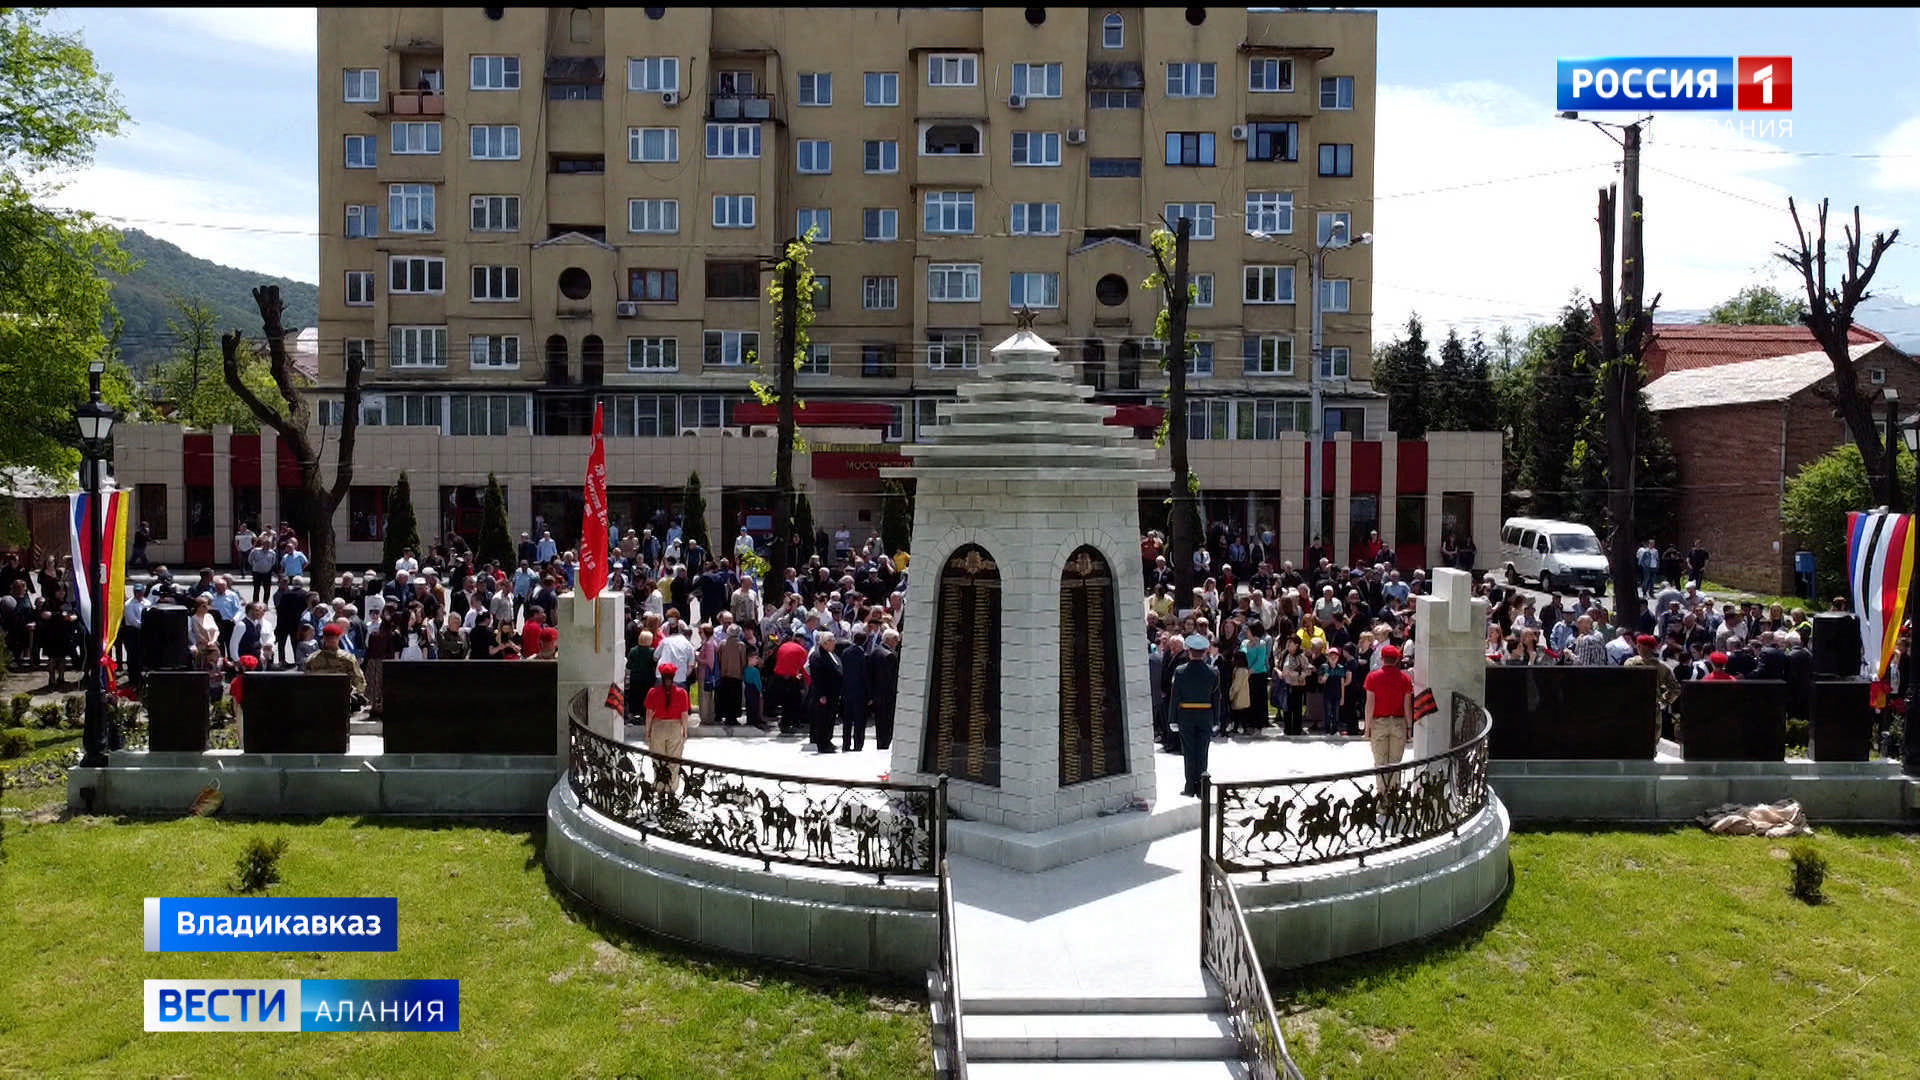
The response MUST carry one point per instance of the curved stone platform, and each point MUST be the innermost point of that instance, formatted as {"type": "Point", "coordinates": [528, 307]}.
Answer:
{"type": "Point", "coordinates": [1319, 913]}
{"type": "Point", "coordinates": [820, 919]}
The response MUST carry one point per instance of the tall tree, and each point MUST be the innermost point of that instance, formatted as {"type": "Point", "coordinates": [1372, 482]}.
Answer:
{"type": "Point", "coordinates": [896, 517]}
{"type": "Point", "coordinates": [1447, 388]}
{"type": "Point", "coordinates": [55, 105]}
{"type": "Point", "coordinates": [791, 292]}
{"type": "Point", "coordinates": [190, 381]}
{"type": "Point", "coordinates": [1170, 278]}
{"type": "Point", "coordinates": [1474, 404]}
{"type": "Point", "coordinates": [1623, 324]}
{"type": "Point", "coordinates": [1758, 305]}
{"type": "Point", "coordinates": [292, 419]}
{"type": "Point", "coordinates": [496, 532]}
{"type": "Point", "coordinates": [1829, 315]}
{"type": "Point", "coordinates": [693, 515]}
{"type": "Point", "coordinates": [403, 530]}
{"type": "Point", "coordinates": [1560, 394]}
{"type": "Point", "coordinates": [1403, 371]}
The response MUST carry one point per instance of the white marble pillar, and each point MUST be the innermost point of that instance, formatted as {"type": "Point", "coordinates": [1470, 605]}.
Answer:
{"type": "Point", "coordinates": [586, 671]}
{"type": "Point", "coordinates": [1449, 654]}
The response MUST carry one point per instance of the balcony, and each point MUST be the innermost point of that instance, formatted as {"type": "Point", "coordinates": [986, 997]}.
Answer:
{"type": "Point", "coordinates": [737, 106]}
{"type": "Point", "coordinates": [416, 103]}
{"type": "Point", "coordinates": [950, 170]}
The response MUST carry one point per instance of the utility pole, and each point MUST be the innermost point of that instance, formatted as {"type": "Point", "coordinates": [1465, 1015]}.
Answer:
{"type": "Point", "coordinates": [775, 587]}
{"type": "Point", "coordinates": [1624, 325]}
{"type": "Point", "coordinates": [1180, 538]}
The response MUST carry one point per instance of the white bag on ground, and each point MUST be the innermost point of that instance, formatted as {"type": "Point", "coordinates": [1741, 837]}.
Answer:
{"type": "Point", "coordinates": [1783, 818]}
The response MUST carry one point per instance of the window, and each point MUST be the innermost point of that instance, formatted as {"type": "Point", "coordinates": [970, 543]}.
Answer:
{"type": "Point", "coordinates": [1336, 159]}
{"type": "Point", "coordinates": [1036, 219]}
{"type": "Point", "coordinates": [646, 416]}
{"type": "Point", "coordinates": [366, 512]}
{"type": "Point", "coordinates": [496, 213]}
{"type": "Point", "coordinates": [820, 220]}
{"type": "Point", "coordinates": [417, 346]}
{"type": "Point", "coordinates": [360, 152]}
{"type": "Point", "coordinates": [879, 223]}
{"type": "Point", "coordinates": [816, 88]}
{"type": "Point", "coordinates": [363, 84]}
{"type": "Point", "coordinates": [410, 208]}
{"type": "Point", "coordinates": [654, 286]}
{"type": "Point", "coordinates": [653, 215]}
{"type": "Point", "coordinates": [951, 139]}
{"type": "Point", "coordinates": [653, 354]}
{"type": "Point", "coordinates": [1268, 285]}
{"type": "Point", "coordinates": [730, 348]}
{"type": "Point", "coordinates": [733, 83]}
{"type": "Point", "coordinates": [1113, 99]}
{"type": "Point", "coordinates": [948, 212]}
{"type": "Point", "coordinates": [1273, 142]}
{"type": "Point", "coordinates": [883, 88]}
{"type": "Point", "coordinates": [494, 73]}
{"type": "Point", "coordinates": [1267, 354]}
{"type": "Point", "coordinates": [879, 293]}
{"type": "Point", "coordinates": [876, 361]}
{"type": "Point", "coordinates": [1190, 80]}
{"type": "Point", "coordinates": [953, 350]}
{"type": "Point", "coordinates": [1036, 148]}
{"type": "Point", "coordinates": [493, 351]}
{"type": "Point", "coordinates": [733, 140]}
{"type": "Point", "coordinates": [485, 414]}
{"type": "Point", "coordinates": [1036, 80]}
{"type": "Point", "coordinates": [1270, 75]}
{"type": "Point", "coordinates": [1113, 32]}
{"type": "Point", "coordinates": [1200, 359]}
{"type": "Point", "coordinates": [817, 360]}
{"type": "Point", "coordinates": [733, 281]}
{"type": "Point", "coordinates": [814, 156]}
{"type": "Point", "coordinates": [416, 137]}
{"type": "Point", "coordinates": [400, 410]}
{"type": "Point", "coordinates": [1267, 418]}
{"type": "Point", "coordinates": [1328, 222]}
{"type": "Point", "coordinates": [1201, 214]}
{"type": "Point", "coordinates": [359, 288]}
{"type": "Point", "coordinates": [496, 283]}
{"type": "Point", "coordinates": [953, 69]}
{"type": "Point", "coordinates": [1190, 148]}
{"type": "Point", "coordinates": [1270, 212]}
{"type": "Point", "coordinates": [653, 74]}
{"type": "Point", "coordinates": [1114, 166]}
{"type": "Point", "coordinates": [495, 142]}
{"type": "Point", "coordinates": [576, 165]}
{"type": "Point", "coordinates": [1337, 363]}
{"type": "Point", "coordinates": [653, 144]}
{"type": "Point", "coordinates": [1202, 290]}
{"type": "Point", "coordinates": [416, 274]}
{"type": "Point", "coordinates": [733, 211]}
{"type": "Point", "coordinates": [150, 504]}
{"type": "Point", "coordinates": [881, 155]}
{"type": "Point", "coordinates": [363, 220]}
{"type": "Point", "coordinates": [1033, 290]}
{"type": "Point", "coordinates": [358, 349]}
{"type": "Point", "coordinates": [953, 283]}
{"type": "Point", "coordinates": [1209, 418]}
{"type": "Point", "coordinates": [1334, 293]}
{"type": "Point", "coordinates": [1336, 92]}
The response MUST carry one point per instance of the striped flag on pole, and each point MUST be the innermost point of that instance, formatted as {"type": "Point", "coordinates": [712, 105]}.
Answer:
{"type": "Point", "coordinates": [88, 566]}
{"type": "Point", "coordinates": [1879, 564]}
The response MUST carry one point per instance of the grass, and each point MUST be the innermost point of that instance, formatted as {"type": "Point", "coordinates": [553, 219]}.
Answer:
{"type": "Point", "coordinates": [1669, 953]}
{"type": "Point", "coordinates": [548, 989]}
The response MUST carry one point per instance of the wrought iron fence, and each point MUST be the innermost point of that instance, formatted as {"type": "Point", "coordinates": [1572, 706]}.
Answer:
{"type": "Point", "coordinates": [865, 826]}
{"type": "Point", "coordinates": [1226, 950]}
{"type": "Point", "coordinates": [1265, 825]}
{"type": "Point", "coordinates": [944, 990]}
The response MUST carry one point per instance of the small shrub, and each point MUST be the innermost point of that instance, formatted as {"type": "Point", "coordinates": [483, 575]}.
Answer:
{"type": "Point", "coordinates": [259, 864]}
{"type": "Point", "coordinates": [222, 713]}
{"type": "Point", "coordinates": [1797, 732]}
{"type": "Point", "coordinates": [1809, 872]}
{"type": "Point", "coordinates": [15, 742]}
{"type": "Point", "coordinates": [74, 710]}
{"type": "Point", "coordinates": [47, 715]}
{"type": "Point", "coordinates": [22, 705]}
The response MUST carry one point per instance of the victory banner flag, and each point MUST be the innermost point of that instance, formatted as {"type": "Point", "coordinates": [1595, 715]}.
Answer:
{"type": "Point", "coordinates": [1879, 567]}
{"type": "Point", "coordinates": [593, 536]}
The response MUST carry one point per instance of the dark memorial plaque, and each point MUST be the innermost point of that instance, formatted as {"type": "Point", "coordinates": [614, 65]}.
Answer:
{"type": "Point", "coordinates": [1573, 713]}
{"type": "Point", "coordinates": [1093, 740]}
{"type": "Point", "coordinates": [962, 737]}
{"type": "Point", "coordinates": [1743, 720]}
{"type": "Point", "coordinates": [469, 706]}
{"type": "Point", "coordinates": [292, 712]}
{"type": "Point", "coordinates": [1842, 725]}
{"type": "Point", "coordinates": [178, 711]}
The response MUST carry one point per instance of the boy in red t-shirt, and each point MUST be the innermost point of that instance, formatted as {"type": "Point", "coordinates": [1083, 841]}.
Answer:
{"type": "Point", "coordinates": [1389, 714]}
{"type": "Point", "coordinates": [666, 708]}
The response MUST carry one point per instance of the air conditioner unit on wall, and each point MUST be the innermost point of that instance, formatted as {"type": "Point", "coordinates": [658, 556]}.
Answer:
{"type": "Point", "coordinates": [670, 98]}
{"type": "Point", "coordinates": [1015, 101]}
{"type": "Point", "coordinates": [1076, 136]}
{"type": "Point", "coordinates": [689, 431]}
{"type": "Point", "coordinates": [1239, 133]}
{"type": "Point", "coordinates": [627, 309]}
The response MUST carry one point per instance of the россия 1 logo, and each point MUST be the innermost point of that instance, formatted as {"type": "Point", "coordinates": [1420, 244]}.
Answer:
{"type": "Point", "coordinates": [1665, 83]}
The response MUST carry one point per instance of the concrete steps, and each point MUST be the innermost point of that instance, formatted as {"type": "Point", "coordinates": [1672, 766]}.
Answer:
{"type": "Point", "coordinates": [1099, 1036]}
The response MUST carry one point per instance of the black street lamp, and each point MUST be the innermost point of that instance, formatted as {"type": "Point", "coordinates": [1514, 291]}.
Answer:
{"type": "Point", "coordinates": [95, 422]}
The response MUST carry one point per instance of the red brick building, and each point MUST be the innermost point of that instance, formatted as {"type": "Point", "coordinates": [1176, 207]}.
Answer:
{"type": "Point", "coordinates": [1741, 405]}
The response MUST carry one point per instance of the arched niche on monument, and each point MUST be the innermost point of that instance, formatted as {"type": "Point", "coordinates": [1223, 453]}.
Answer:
{"type": "Point", "coordinates": [1093, 739]}
{"type": "Point", "coordinates": [962, 736]}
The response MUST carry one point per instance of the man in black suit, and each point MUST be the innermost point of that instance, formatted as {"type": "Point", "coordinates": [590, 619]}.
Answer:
{"type": "Point", "coordinates": [290, 603]}
{"type": "Point", "coordinates": [826, 685]}
{"type": "Point", "coordinates": [883, 676]}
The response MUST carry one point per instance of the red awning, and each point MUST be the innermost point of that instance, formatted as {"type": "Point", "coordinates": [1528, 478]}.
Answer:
{"type": "Point", "coordinates": [1136, 416]}
{"type": "Point", "coordinates": [843, 414]}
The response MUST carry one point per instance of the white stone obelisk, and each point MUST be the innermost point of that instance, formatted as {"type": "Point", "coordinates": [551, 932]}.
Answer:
{"type": "Point", "coordinates": [589, 668]}
{"type": "Point", "coordinates": [1449, 654]}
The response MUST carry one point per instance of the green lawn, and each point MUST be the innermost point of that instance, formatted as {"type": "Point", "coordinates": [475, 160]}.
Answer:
{"type": "Point", "coordinates": [1657, 954]}
{"type": "Point", "coordinates": [547, 989]}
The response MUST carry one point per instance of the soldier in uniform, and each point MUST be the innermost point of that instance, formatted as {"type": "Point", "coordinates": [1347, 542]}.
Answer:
{"type": "Point", "coordinates": [332, 658]}
{"type": "Point", "coordinates": [1647, 655]}
{"type": "Point", "coordinates": [1191, 696]}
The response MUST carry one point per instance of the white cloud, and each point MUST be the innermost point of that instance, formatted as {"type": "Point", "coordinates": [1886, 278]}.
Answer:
{"type": "Point", "coordinates": [1899, 170]}
{"type": "Point", "coordinates": [253, 227]}
{"type": "Point", "coordinates": [1486, 207]}
{"type": "Point", "coordinates": [284, 30]}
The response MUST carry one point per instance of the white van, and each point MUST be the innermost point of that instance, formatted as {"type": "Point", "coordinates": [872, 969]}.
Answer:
{"type": "Point", "coordinates": [1563, 555]}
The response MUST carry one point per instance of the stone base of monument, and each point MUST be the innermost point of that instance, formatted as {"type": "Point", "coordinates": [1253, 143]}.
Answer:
{"type": "Point", "coordinates": [263, 785]}
{"type": "Point", "coordinates": [1034, 852]}
{"type": "Point", "coordinates": [820, 919]}
{"type": "Point", "coordinates": [1319, 913]}
{"type": "Point", "coordinates": [1831, 792]}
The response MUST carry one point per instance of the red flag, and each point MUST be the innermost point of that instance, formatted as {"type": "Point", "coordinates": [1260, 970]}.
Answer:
{"type": "Point", "coordinates": [593, 539]}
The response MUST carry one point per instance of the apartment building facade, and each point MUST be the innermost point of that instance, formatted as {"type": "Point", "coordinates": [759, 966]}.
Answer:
{"type": "Point", "coordinates": [528, 210]}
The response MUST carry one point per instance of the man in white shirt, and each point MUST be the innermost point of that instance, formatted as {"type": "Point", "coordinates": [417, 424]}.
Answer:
{"type": "Point", "coordinates": [743, 544]}
{"type": "Point", "coordinates": [406, 564]}
{"type": "Point", "coordinates": [1327, 606]}
{"type": "Point", "coordinates": [242, 543]}
{"type": "Point", "coordinates": [131, 617]}
{"type": "Point", "coordinates": [676, 648]}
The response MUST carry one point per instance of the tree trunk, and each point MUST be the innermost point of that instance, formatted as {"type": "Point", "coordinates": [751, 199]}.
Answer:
{"type": "Point", "coordinates": [774, 589]}
{"type": "Point", "coordinates": [1180, 538]}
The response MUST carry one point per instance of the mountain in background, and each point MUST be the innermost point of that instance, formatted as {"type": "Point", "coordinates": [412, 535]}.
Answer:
{"type": "Point", "coordinates": [144, 298]}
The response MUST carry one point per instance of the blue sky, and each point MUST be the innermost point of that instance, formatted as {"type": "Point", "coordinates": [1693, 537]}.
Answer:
{"type": "Point", "coordinates": [1484, 200]}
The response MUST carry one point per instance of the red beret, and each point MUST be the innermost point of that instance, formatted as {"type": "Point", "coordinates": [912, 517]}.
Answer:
{"type": "Point", "coordinates": [1646, 639]}
{"type": "Point", "coordinates": [332, 629]}
{"type": "Point", "coordinates": [669, 670]}
{"type": "Point", "coordinates": [249, 661]}
{"type": "Point", "coordinates": [1718, 658]}
{"type": "Point", "coordinates": [1389, 652]}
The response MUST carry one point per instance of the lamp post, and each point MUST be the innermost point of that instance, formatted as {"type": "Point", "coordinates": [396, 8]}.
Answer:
{"type": "Point", "coordinates": [95, 422]}
{"type": "Point", "coordinates": [1910, 745]}
{"type": "Point", "coordinates": [1316, 273]}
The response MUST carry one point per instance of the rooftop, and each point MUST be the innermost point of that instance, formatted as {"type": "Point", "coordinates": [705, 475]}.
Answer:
{"type": "Point", "coordinates": [1687, 346]}
{"type": "Point", "coordinates": [1773, 378]}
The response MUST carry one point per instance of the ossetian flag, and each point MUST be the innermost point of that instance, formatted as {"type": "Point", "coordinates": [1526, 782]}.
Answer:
{"type": "Point", "coordinates": [1879, 563]}
{"type": "Point", "coordinates": [108, 566]}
